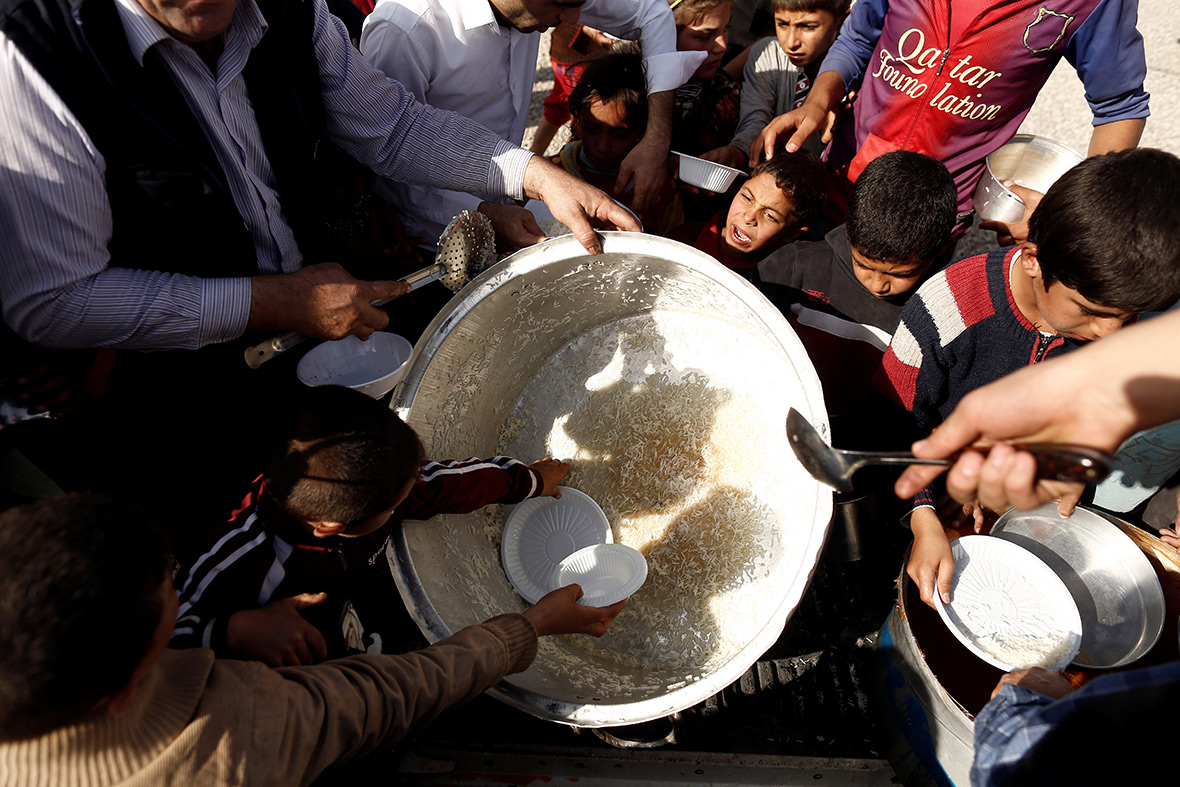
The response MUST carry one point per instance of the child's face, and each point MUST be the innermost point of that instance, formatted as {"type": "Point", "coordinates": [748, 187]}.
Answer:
{"type": "Point", "coordinates": [760, 217]}
{"type": "Point", "coordinates": [1065, 311]}
{"type": "Point", "coordinates": [606, 135]}
{"type": "Point", "coordinates": [888, 279]}
{"type": "Point", "coordinates": [805, 36]}
{"type": "Point", "coordinates": [709, 34]}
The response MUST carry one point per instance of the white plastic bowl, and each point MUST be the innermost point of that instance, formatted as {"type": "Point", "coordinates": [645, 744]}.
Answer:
{"type": "Point", "coordinates": [607, 573]}
{"type": "Point", "coordinates": [543, 531]}
{"type": "Point", "coordinates": [372, 367]}
{"type": "Point", "coordinates": [706, 174]}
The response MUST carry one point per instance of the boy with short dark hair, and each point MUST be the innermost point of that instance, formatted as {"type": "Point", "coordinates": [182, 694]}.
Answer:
{"type": "Point", "coordinates": [1103, 247]}
{"type": "Point", "coordinates": [608, 118]}
{"type": "Point", "coordinates": [90, 693]}
{"type": "Point", "coordinates": [774, 206]}
{"type": "Point", "coordinates": [299, 574]}
{"type": "Point", "coordinates": [845, 294]}
{"type": "Point", "coordinates": [780, 70]}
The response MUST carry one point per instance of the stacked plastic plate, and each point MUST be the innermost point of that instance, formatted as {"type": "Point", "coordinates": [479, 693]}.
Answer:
{"type": "Point", "coordinates": [549, 543]}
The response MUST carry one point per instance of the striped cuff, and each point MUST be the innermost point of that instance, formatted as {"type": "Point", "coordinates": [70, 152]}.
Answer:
{"type": "Point", "coordinates": [225, 309]}
{"type": "Point", "coordinates": [506, 174]}
{"type": "Point", "coordinates": [518, 636]}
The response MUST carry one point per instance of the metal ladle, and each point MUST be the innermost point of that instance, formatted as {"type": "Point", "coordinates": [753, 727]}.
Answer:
{"type": "Point", "coordinates": [465, 249]}
{"type": "Point", "coordinates": [835, 466]}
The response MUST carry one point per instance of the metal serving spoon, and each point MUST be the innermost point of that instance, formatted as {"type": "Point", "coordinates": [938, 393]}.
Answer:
{"type": "Point", "coordinates": [834, 466]}
{"type": "Point", "coordinates": [466, 247]}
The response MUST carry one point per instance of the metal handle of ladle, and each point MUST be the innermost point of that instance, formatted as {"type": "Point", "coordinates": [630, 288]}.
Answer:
{"type": "Point", "coordinates": [264, 351]}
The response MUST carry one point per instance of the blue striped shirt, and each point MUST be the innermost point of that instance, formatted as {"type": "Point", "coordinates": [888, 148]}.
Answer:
{"type": "Point", "coordinates": [57, 284]}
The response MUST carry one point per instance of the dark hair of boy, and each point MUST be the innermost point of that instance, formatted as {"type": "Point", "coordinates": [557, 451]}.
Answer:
{"type": "Point", "coordinates": [802, 177]}
{"type": "Point", "coordinates": [616, 76]}
{"type": "Point", "coordinates": [902, 208]}
{"type": "Point", "coordinates": [80, 582]}
{"type": "Point", "coordinates": [1110, 229]}
{"type": "Point", "coordinates": [837, 8]}
{"type": "Point", "coordinates": [343, 457]}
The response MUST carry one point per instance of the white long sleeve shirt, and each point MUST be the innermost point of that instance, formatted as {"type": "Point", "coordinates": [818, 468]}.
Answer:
{"type": "Point", "coordinates": [58, 285]}
{"type": "Point", "coordinates": [453, 54]}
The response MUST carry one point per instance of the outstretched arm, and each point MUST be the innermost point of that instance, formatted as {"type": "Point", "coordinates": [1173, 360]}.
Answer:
{"type": "Point", "coordinates": [1097, 396]}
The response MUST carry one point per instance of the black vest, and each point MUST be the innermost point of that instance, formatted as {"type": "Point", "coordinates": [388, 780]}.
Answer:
{"type": "Point", "coordinates": [171, 205]}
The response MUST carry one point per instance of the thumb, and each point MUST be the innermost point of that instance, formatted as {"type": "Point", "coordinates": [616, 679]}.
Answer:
{"type": "Point", "coordinates": [386, 289]}
{"type": "Point", "coordinates": [945, 573]}
{"type": "Point", "coordinates": [305, 600]}
{"type": "Point", "coordinates": [1026, 194]}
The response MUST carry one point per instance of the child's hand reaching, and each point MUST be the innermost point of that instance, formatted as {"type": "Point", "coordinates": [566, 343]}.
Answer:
{"type": "Point", "coordinates": [277, 633]}
{"type": "Point", "coordinates": [930, 557]}
{"type": "Point", "coordinates": [560, 613]}
{"type": "Point", "coordinates": [552, 471]}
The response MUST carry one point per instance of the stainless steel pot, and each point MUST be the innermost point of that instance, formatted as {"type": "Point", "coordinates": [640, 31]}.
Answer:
{"type": "Point", "coordinates": [1027, 160]}
{"type": "Point", "coordinates": [481, 366]}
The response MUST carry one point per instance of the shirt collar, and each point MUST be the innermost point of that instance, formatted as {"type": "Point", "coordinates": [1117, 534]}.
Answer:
{"type": "Point", "coordinates": [143, 32]}
{"type": "Point", "coordinates": [476, 14]}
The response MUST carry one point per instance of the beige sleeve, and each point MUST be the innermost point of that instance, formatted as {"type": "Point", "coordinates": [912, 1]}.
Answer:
{"type": "Point", "coordinates": [301, 720]}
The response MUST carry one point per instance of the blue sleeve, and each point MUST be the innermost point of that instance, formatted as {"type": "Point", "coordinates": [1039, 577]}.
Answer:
{"type": "Point", "coordinates": [1107, 51]}
{"type": "Point", "coordinates": [1005, 730]}
{"type": "Point", "coordinates": [852, 49]}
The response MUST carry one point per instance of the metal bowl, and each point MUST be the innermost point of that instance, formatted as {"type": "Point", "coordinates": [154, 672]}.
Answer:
{"type": "Point", "coordinates": [1030, 161]}
{"type": "Point", "coordinates": [478, 367]}
{"type": "Point", "coordinates": [1112, 581]}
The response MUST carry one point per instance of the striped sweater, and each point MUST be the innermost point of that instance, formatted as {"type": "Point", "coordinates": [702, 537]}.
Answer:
{"type": "Point", "coordinates": [261, 555]}
{"type": "Point", "coordinates": [960, 332]}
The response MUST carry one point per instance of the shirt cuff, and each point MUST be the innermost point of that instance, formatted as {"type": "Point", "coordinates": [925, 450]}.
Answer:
{"type": "Point", "coordinates": [519, 638]}
{"type": "Point", "coordinates": [506, 175]}
{"type": "Point", "coordinates": [671, 69]}
{"type": "Point", "coordinates": [225, 309]}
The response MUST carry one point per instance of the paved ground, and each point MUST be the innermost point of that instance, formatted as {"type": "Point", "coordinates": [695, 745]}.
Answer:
{"type": "Point", "coordinates": [1060, 112]}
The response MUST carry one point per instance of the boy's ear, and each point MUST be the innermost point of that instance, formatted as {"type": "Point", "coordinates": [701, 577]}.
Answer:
{"type": "Point", "coordinates": [325, 529]}
{"type": "Point", "coordinates": [1029, 261]}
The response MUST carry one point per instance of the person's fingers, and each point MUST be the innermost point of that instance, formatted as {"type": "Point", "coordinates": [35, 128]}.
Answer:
{"type": "Point", "coordinates": [302, 651]}
{"type": "Point", "coordinates": [926, 587]}
{"type": "Point", "coordinates": [586, 236]}
{"type": "Point", "coordinates": [317, 644]}
{"type": "Point", "coordinates": [916, 478]}
{"type": "Point", "coordinates": [643, 195]}
{"type": "Point", "coordinates": [923, 579]}
{"type": "Point", "coordinates": [992, 474]}
{"type": "Point", "coordinates": [626, 179]}
{"type": "Point", "coordinates": [946, 572]}
{"type": "Point", "coordinates": [962, 481]}
{"type": "Point", "coordinates": [620, 218]}
{"type": "Point", "coordinates": [1003, 230]}
{"type": "Point", "coordinates": [1030, 197]}
{"type": "Point", "coordinates": [305, 600]}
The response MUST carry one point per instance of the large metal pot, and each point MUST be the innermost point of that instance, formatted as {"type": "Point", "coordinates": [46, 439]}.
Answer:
{"type": "Point", "coordinates": [486, 363]}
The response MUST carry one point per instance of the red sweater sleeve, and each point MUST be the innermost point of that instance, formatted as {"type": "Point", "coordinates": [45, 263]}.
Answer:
{"type": "Point", "coordinates": [459, 487]}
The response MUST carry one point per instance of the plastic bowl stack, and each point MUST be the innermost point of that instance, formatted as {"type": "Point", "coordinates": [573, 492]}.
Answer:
{"type": "Point", "coordinates": [549, 543]}
{"type": "Point", "coordinates": [706, 175]}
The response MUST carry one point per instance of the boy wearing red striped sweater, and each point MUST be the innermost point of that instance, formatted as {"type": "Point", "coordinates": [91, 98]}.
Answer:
{"type": "Point", "coordinates": [1103, 247]}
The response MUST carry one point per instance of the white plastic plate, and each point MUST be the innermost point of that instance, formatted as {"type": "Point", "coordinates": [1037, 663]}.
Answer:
{"type": "Point", "coordinates": [1009, 608]}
